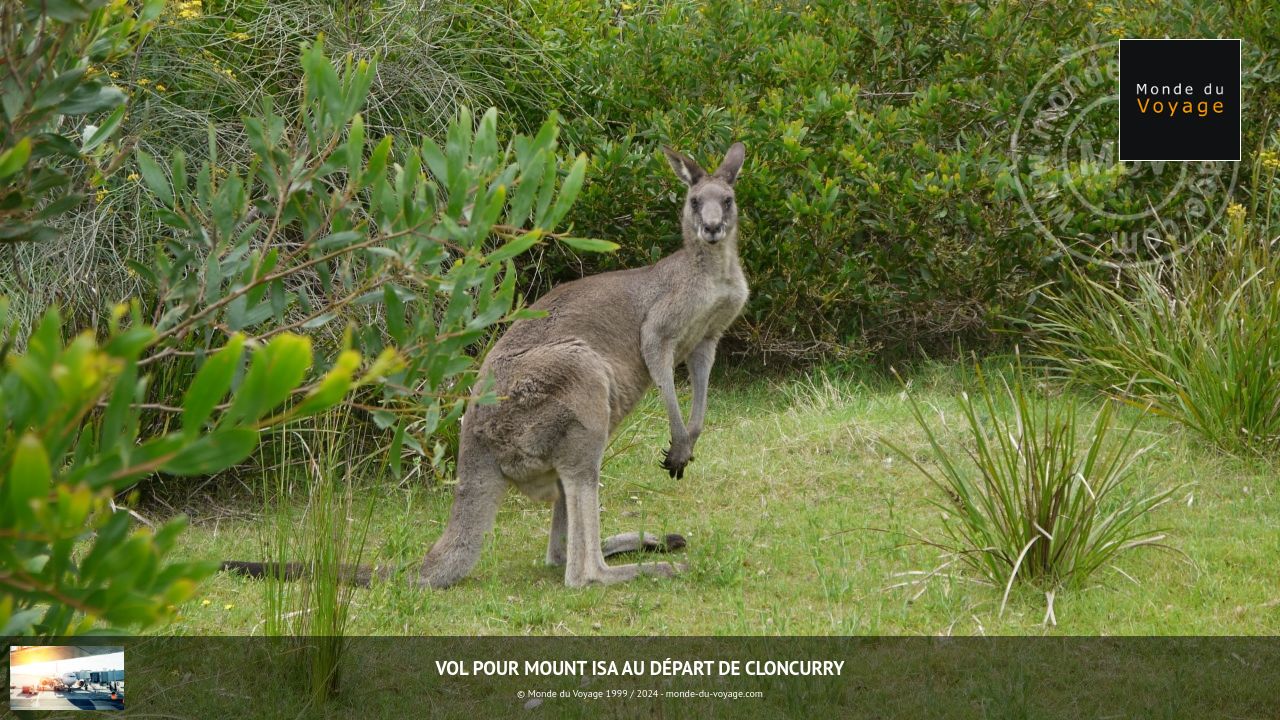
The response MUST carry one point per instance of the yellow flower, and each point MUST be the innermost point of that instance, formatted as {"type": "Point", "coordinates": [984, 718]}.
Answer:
{"type": "Point", "coordinates": [228, 606]}
{"type": "Point", "coordinates": [206, 601]}
{"type": "Point", "coordinates": [241, 36]}
{"type": "Point", "coordinates": [144, 82]}
{"type": "Point", "coordinates": [115, 74]}
{"type": "Point", "coordinates": [98, 196]}
{"type": "Point", "coordinates": [161, 88]}
{"type": "Point", "coordinates": [131, 177]}
{"type": "Point", "coordinates": [189, 9]}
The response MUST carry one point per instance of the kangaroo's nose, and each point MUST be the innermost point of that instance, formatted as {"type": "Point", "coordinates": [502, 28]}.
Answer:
{"type": "Point", "coordinates": [713, 228]}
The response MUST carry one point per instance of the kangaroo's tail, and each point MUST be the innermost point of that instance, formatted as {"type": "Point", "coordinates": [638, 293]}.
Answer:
{"type": "Point", "coordinates": [357, 575]}
{"type": "Point", "coordinates": [481, 486]}
{"type": "Point", "coordinates": [475, 506]}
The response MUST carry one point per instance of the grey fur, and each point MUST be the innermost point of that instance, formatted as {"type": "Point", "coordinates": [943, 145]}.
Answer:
{"type": "Point", "coordinates": [568, 379]}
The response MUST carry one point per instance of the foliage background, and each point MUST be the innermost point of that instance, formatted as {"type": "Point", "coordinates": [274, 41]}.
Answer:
{"type": "Point", "coordinates": [879, 211]}
{"type": "Point", "coordinates": [880, 219]}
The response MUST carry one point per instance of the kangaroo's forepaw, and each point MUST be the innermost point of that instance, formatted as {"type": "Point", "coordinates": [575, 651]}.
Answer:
{"type": "Point", "coordinates": [674, 462]}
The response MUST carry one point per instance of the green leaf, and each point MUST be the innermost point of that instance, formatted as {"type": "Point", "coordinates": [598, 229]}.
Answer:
{"type": "Point", "coordinates": [333, 387]}
{"type": "Point", "coordinates": [30, 476]}
{"type": "Point", "coordinates": [214, 452]}
{"type": "Point", "coordinates": [355, 148]}
{"type": "Point", "coordinates": [119, 421]}
{"type": "Point", "coordinates": [395, 313]}
{"type": "Point", "coordinates": [568, 192]}
{"type": "Point", "coordinates": [21, 621]}
{"type": "Point", "coordinates": [155, 178]}
{"type": "Point", "coordinates": [151, 10]}
{"type": "Point", "coordinates": [15, 158]}
{"type": "Point", "coordinates": [143, 271]}
{"type": "Point", "coordinates": [67, 11]}
{"type": "Point", "coordinates": [275, 371]}
{"type": "Point", "coordinates": [340, 239]}
{"type": "Point", "coordinates": [319, 321]}
{"type": "Point", "coordinates": [526, 190]}
{"type": "Point", "coordinates": [589, 244]}
{"type": "Point", "coordinates": [210, 385]}
{"type": "Point", "coordinates": [92, 98]}
{"type": "Point", "coordinates": [103, 131]}
{"type": "Point", "coordinates": [516, 246]}
{"type": "Point", "coordinates": [435, 161]}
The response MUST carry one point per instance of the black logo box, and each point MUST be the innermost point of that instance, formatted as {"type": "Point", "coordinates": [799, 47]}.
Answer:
{"type": "Point", "coordinates": [1186, 68]}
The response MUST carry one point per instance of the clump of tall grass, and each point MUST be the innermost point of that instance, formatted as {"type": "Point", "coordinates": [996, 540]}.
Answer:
{"type": "Point", "coordinates": [1195, 336]}
{"type": "Point", "coordinates": [1040, 494]}
{"type": "Point", "coordinates": [313, 609]}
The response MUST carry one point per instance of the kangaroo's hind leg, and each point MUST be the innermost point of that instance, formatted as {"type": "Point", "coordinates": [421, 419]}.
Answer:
{"type": "Point", "coordinates": [580, 486]}
{"type": "Point", "coordinates": [619, 544]}
{"type": "Point", "coordinates": [557, 543]}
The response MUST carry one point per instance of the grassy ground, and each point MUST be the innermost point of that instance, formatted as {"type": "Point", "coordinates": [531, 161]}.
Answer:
{"type": "Point", "coordinates": [796, 518]}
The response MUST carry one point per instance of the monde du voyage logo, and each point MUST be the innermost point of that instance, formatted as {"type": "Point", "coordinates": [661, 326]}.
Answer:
{"type": "Point", "coordinates": [1179, 100]}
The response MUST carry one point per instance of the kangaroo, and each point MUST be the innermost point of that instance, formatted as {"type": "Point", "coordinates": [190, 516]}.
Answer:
{"type": "Point", "coordinates": [567, 380]}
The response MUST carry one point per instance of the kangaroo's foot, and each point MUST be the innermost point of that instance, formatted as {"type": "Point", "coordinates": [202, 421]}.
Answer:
{"type": "Point", "coordinates": [633, 542]}
{"type": "Point", "coordinates": [608, 575]}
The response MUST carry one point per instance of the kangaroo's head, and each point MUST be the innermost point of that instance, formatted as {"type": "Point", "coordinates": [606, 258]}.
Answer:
{"type": "Point", "coordinates": [710, 212]}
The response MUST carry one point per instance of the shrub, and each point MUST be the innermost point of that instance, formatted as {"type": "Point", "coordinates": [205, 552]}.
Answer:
{"type": "Point", "coordinates": [51, 54]}
{"type": "Point", "coordinates": [318, 231]}
{"type": "Point", "coordinates": [326, 235]}
{"type": "Point", "coordinates": [215, 61]}
{"type": "Point", "coordinates": [1197, 337]}
{"type": "Point", "coordinates": [879, 201]}
{"type": "Point", "coordinates": [1039, 496]}
{"type": "Point", "coordinates": [70, 440]}
{"type": "Point", "coordinates": [879, 205]}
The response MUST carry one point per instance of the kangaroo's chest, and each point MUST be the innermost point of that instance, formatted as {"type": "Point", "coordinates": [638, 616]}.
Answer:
{"type": "Point", "coordinates": [717, 307]}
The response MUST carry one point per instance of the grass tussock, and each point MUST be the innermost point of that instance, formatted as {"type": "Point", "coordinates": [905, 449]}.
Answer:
{"type": "Point", "coordinates": [1196, 336]}
{"type": "Point", "coordinates": [314, 611]}
{"type": "Point", "coordinates": [1040, 493]}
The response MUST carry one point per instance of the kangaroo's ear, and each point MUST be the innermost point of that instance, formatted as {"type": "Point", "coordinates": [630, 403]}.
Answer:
{"type": "Point", "coordinates": [687, 170]}
{"type": "Point", "coordinates": [732, 163]}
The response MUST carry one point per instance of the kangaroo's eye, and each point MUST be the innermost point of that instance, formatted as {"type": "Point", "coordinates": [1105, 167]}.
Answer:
{"type": "Point", "coordinates": [694, 203]}
{"type": "Point", "coordinates": [728, 203]}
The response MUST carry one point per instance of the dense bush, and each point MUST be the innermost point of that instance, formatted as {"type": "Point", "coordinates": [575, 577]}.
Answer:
{"type": "Point", "coordinates": [215, 61]}
{"type": "Point", "coordinates": [879, 199]}
{"type": "Point", "coordinates": [50, 82]}
{"type": "Point", "coordinates": [880, 204]}
{"type": "Point", "coordinates": [325, 234]}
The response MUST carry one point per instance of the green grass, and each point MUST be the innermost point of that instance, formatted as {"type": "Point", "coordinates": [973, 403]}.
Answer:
{"type": "Point", "coordinates": [797, 519]}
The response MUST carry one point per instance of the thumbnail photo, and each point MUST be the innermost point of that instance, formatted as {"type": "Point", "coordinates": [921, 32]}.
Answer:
{"type": "Point", "coordinates": [66, 677]}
